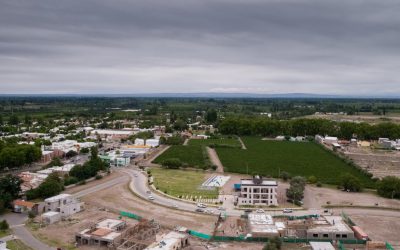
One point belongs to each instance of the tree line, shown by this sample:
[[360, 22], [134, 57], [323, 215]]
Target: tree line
[[16, 155], [309, 127]]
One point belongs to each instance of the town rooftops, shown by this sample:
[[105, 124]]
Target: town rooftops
[[250, 182], [57, 197], [167, 241], [23, 203]]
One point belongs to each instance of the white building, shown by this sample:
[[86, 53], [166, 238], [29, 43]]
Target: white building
[[258, 191], [153, 142], [139, 142], [3, 245], [65, 204], [171, 241], [329, 140], [116, 160], [51, 217], [320, 245], [262, 225]]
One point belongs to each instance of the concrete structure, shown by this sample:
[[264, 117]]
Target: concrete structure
[[316, 245], [104, 233], [3, 245], [21, 206], [112, 134], [116, 160], [329, 140], [31, 180], [330, 228], [153, 142], [139, 142], [134, 150], [319, 139], [258, 191], [171, 241], [51, 217], [65, 204], [262, 225]]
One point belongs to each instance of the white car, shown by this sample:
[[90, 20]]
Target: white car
[[135, 175], [208, 211], [260, 211], [201, 205], [175, 206], [287, 210], [151, 198], [221, 208]]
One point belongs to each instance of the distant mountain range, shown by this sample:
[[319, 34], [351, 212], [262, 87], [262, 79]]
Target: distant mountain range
[[217, 95]]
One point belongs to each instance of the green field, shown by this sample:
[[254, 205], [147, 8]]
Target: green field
[[195, 154], [296, 158], [181, 182], [17, 245]]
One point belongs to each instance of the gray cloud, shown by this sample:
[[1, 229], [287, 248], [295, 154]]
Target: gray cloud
[[122, 46]]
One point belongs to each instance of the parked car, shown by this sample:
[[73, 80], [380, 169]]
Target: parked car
[[148, 192], [201, 205], [135, 175], [151, 198], [287, 210], [175, 206], [199, 210], [260, 211], [248, 211], [221, 208], [208, 211]]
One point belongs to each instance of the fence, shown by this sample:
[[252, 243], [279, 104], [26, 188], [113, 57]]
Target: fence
[[130, 215], [388, 246], [302, 217], [347, 219]]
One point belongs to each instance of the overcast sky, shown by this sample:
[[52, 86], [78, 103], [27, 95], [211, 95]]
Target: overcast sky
[[240, 46]]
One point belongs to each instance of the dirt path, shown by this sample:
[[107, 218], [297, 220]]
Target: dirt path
[[212, 154], [241, 142], [186, 142], [148, 161]]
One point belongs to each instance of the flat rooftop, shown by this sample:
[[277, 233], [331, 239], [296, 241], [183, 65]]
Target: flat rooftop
[[109, 223], [167, 241], [263, 182], [57, 197], [330, 224], [315, 245]]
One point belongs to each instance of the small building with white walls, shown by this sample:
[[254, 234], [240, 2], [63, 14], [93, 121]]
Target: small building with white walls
[[153, 142], [65, 204], [51, 217]]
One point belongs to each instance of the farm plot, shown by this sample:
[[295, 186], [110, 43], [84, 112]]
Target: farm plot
[[297, 158], [195, 154], [182, 183]]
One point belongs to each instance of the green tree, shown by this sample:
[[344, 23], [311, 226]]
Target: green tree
[[71, 153], [4, 225], [10, 187], [13, 120], [389, 187], [211, 115], [351, 183], [173, 163], [285, 175]]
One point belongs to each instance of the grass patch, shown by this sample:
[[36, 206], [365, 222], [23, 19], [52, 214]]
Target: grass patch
[[4, 233], [194, 154], [297, 158], [181, 182], [17, 245]]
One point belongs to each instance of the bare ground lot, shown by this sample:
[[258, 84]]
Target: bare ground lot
[[379, 225], [315, 197], [380, 163], [119, 197]]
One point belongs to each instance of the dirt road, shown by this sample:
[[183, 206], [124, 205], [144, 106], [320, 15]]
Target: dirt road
[[212, 154]]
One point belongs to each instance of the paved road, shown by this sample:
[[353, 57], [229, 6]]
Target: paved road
[[16, 222], [101, 186], [140, 187]]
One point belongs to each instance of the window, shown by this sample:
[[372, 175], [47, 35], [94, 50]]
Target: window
[[315, 235], [344, 235], [337, 236], [325, 235]]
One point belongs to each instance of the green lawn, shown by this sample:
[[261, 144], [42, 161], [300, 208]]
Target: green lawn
[[191, 155], [296, 158], [181, 182], [4, 233], [17, 245], [195, 154], [223, 141]]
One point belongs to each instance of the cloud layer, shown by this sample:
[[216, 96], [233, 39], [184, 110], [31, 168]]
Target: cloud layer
[[252, 46]]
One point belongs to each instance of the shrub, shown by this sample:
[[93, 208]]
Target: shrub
[[172, 163], [319, 184], [285, 175], [312, 179], [4, 225], [351, 183], [98, 177]]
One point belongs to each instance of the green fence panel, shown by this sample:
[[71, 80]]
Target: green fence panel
[[354, 241], [341, 247], [130, 215], [388, 246], [200, 235]]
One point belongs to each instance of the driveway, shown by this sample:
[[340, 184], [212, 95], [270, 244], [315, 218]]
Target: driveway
[[17, 224]]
